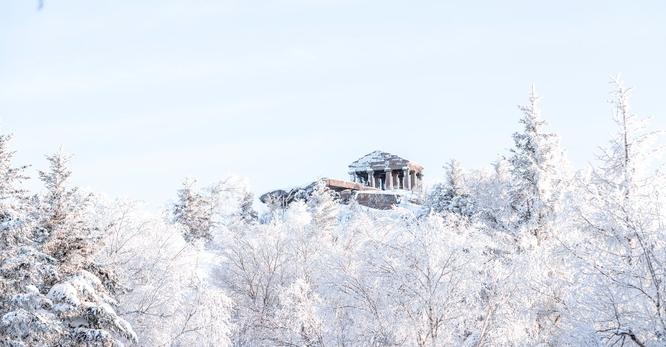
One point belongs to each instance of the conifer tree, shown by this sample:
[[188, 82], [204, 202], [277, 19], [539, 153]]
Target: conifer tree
[[194, 212], [535, 166], [246, 212], [451, 196], [52, 293], [13, 196], [13, 222]]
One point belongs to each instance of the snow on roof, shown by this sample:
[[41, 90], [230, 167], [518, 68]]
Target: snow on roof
[[379, 160]]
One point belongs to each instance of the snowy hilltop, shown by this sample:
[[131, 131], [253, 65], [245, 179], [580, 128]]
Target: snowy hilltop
[[378, 180], [530, 252]]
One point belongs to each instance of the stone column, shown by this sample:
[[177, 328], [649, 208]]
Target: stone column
[[408, 184], [371, 178], [352, 176], [389, 179]]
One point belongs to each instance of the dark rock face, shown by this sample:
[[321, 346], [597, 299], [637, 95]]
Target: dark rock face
[[275, 198], [282, 198], [380, 201], [344, 193]]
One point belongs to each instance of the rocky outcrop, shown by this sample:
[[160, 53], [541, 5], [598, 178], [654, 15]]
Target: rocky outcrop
[[342, 191], [282, 198], [378, 200], [275, 198]]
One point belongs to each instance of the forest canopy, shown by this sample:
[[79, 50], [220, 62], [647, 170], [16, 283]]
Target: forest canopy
[[529, 252]]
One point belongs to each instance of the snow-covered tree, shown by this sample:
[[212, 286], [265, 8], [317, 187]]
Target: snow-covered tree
[[171, 300], [203, 212], [452, 196], [11, 190], [62, 225], [13, 196], [519, 204], [621, 246], [234, 202], [54, 292], [246, 210], [297, 321], [516, 255], [254, 268], [424, 275], [490, 191], [59, 201], [536, 168], [323, 208], [194, 212]]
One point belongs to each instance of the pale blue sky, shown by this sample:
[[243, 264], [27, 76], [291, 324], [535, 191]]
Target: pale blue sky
[[145, 93]]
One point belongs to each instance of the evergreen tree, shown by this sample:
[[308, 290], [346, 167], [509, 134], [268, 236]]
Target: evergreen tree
[[537, 180], [451, 196], [13, 225], [194, 212], [535, 165], [11, 177], [246, 212], [62, 229], [52, 294], [13, 196]]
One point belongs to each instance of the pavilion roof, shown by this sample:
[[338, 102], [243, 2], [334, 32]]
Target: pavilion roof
[[379, 161]]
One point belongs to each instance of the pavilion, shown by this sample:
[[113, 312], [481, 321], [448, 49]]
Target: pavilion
[[386, 171]]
